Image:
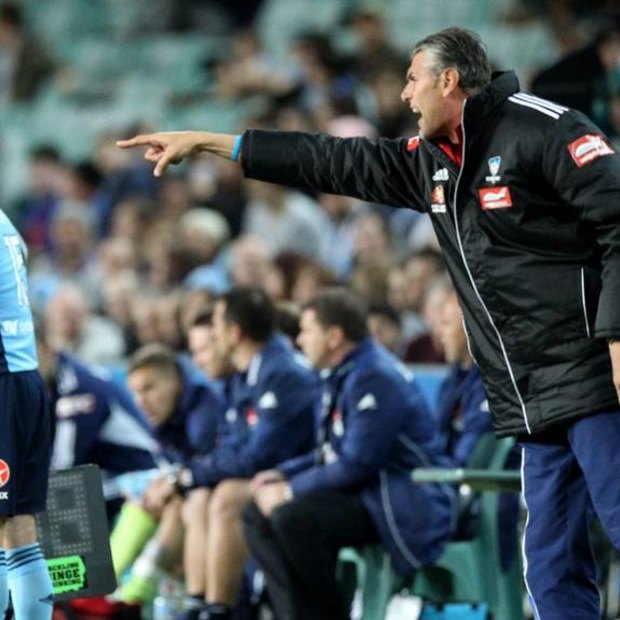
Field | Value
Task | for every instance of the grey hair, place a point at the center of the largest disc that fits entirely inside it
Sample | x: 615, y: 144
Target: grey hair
x: 461, y: 49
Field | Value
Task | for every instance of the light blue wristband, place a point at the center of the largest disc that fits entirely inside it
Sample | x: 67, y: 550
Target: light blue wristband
x: 236, y: 148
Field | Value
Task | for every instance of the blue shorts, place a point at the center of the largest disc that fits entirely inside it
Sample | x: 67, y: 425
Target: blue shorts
x: 25, y: 443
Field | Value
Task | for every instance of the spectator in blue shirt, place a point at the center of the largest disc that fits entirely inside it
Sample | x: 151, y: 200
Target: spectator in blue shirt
x: 355, y: 487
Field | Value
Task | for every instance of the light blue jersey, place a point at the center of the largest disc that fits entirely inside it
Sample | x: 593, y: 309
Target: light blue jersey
x: 17, y: 343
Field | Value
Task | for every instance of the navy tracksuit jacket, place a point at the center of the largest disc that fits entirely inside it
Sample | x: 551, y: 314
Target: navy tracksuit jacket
x: 96, y: 421
x: 374, y: 428
x: 269, y: 419
x: 192, y: 429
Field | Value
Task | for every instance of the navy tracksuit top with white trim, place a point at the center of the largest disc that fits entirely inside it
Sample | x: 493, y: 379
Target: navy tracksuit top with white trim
x: 269, y: 417
x: 374, y: 429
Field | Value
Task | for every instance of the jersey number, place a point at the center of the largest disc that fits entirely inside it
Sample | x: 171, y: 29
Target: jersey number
x: 14, y: 245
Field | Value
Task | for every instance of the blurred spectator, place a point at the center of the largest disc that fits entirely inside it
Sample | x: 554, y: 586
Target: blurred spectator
x: 144, y: 317
x: 419, y: 269
x: 584, y: 79
x: 192, y: 305
x: 385, y: 328
x: 287, y: 320
x: 118, y: 295
x: 219, y: 185
x: 426, y: 348
x: 392, y: 116
x: 324, y: 75
x: 339, y: 231
x: 25, y: 64
x: 250, y: 262
x: 125, y: 176
x: 168, y: 317
x: 205, y: 232
x: 131, y: 220
x: 371, y: 242
x: 374, y: 54
x: 70, y: 326
x: 169, y: 260
x: 247, y: 70
x: 412, y: 323
x: 71, y: 256
x: 283, y: 219
x: 173, y: 198
x: 85, y: 186
x: 370, y: 281
x: 47, y: 185
x: 312, y: 276
x: 115, y: 255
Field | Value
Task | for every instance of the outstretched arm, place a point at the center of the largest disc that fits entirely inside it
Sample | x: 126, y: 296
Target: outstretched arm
x: 383, y: 171
x: 165, y: 148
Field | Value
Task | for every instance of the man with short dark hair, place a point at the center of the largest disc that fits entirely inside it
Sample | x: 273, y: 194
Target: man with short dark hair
x: 269, y: 419
x: 523, y: 194
x: 355, y: 487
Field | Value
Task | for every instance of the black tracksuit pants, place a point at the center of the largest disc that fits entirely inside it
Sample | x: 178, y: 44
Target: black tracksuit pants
x: 298, y: 546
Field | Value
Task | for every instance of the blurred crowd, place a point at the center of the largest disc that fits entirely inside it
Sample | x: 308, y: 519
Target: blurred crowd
x: 119, y: 259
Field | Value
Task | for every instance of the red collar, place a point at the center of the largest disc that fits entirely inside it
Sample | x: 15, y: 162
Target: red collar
x: 453, y: 151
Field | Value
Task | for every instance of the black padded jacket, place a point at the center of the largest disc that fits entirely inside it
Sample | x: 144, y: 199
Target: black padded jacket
x: 530, y: 229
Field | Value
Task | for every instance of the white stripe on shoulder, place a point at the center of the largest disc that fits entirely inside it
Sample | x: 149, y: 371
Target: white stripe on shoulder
x: 545, y: 103
x: 534, y: 106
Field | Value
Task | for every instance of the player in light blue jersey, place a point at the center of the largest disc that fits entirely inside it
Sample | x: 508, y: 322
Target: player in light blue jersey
x: 24, y: 441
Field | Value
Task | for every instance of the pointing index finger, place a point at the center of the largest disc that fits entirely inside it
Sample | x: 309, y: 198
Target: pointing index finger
x: 136, y: 141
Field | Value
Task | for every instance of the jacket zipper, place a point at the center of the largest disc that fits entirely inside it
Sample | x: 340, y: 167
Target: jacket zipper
x: 583, y: 302
x: 473, y: 284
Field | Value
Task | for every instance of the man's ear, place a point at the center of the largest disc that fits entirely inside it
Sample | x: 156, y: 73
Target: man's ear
x: 335, y: 337
x: 234, y: 333
x: 449, y: 81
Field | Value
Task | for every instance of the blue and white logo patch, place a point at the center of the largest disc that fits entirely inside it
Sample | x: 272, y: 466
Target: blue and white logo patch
x: 494, y: 164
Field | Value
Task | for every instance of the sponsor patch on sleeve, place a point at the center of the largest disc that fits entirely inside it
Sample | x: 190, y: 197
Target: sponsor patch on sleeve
x: 588, y: 148
x: 495, y: 197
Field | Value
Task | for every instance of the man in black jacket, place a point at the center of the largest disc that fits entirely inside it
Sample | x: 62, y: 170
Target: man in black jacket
x: 524, y: 195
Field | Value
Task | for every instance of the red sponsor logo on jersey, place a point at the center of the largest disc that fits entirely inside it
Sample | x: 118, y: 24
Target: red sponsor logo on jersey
x: 413, y: 143
x: 251, y: 417
x: 5, y: 472
x: 438, y: 196
x: 588, y: 148
x: 495, y: 197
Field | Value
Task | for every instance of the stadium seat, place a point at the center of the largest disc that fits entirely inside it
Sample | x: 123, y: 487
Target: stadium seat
x: 467, y: 571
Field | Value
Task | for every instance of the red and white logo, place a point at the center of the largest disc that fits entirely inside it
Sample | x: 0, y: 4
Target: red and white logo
x: 438, y: 200
x: 5, y: 472
x: 495, y: 197
x: 251, y: 417
x: 588, y: 148
x: 413, y: 143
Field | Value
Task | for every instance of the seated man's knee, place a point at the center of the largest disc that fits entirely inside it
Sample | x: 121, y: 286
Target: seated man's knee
x: 195, y: 506
x: 290, y: 517
x: 229, y: 498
